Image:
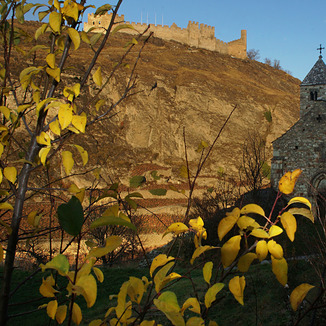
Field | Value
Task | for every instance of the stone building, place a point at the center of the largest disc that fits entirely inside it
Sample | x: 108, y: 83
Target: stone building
x: 304, y: 144
x: 195, y: 35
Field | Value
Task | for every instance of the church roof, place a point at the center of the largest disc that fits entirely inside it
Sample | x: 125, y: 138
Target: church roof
x: 317, y: 74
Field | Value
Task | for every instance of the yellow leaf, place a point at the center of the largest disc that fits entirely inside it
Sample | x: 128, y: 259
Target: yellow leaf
x: 36, y: 97
x: 51, y: 308
x: 99, y: 322
x: 1, y: 253
x: 300, y: 200
x: 136, y: 289
x: 10, y: 173
x: 159, y: 261
x: 50, y: 60
x: 55, y: 127
x: 68, y: 161
x: 167, y: 302
x: 245, y: 261
x: 99, y: 104
x: 97, y: 77
x: 302, y: 211
x: 212, y: 323
x: 290, y: 224
x: 79, y: 193
x: 280, y: 270
x: 160, y: 276
x: 43, y: 139
x: 97, y: 172
x: 59, y: 263
x: 197, y: 223
x: 274, y: 231
x: 149, y: 323
x: 207, y: 271
x: 55, y: 73
x: 225, y: 225
x: 33, y: 219
x: 6, y: 206
x: 85, y: 37
x: 210, y: 295
x: 79, y: 122
x: 176, y: 228
x: 184, y: 173
x: 83, y: 154
x: 65, y: 115
x: 237, y: 285
x: 246, y: 222
x: 111, y: 243
x: 252, y: 208
x: 55, y: 20
x: 5, y: 111
x: 195, y: 321
x: 74, y: 35
x: 193, y: 303
x: 43, y: 154
x: 99, y: 274
x: 1, y: 176
x: 229, y: 250
x: 76, y: 314
x: 298, y: 294
x: 259, y: 233
x: 70, y: 9
x: 87, y: 287
x: 287, y: 182
x: 261, y: 250
x: 61, y: 314
x: 1, y: 149
x: 167, y: 279
x: 275, y: 249
x: 199, y: 251
x: 46, y: 288
x: 40, y: 31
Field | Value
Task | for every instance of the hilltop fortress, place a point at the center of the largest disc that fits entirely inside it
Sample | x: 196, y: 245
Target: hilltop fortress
x: 199, y: 36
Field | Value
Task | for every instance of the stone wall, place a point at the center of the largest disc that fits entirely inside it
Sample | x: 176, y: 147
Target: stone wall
x: 303, y: 146
x: 200, y: 36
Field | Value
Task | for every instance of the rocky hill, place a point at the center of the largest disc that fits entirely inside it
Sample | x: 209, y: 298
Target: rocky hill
x: 185, y: 89
x: 195, y: 90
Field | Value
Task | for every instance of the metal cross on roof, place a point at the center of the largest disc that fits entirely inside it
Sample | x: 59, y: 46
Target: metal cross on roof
x: 320, y: 49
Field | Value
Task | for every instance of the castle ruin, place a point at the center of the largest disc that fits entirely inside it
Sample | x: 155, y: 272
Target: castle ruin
x: 195, y: 35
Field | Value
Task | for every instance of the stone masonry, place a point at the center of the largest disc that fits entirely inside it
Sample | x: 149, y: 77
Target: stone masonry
x: 195, y: 35
x: 304, y: 144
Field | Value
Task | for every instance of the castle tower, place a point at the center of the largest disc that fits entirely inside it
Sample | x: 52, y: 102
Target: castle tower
x: 313, y: 87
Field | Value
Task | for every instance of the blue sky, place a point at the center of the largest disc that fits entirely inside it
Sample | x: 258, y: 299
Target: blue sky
x: 287, y: 30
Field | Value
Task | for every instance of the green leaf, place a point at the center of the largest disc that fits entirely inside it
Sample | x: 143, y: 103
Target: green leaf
x: 71, y: 216
x: 100, y: 11
x: 137, y: 181
x: 158, y: 192
x: 112, y: 220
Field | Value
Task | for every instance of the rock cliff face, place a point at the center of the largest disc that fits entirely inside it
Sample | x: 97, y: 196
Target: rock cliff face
x: 192, y: 90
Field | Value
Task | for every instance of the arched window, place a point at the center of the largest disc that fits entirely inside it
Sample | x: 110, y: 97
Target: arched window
x: 313, y: 96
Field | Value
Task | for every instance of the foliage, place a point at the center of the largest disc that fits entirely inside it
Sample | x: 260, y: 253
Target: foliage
x: 268, y: 116
x: 253, y: 169
x: 45, y: 110
x: 138, y: 296
x: 253, y: 54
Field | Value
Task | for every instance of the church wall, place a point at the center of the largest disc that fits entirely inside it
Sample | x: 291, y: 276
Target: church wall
x: 309, y: 94
x: 200, y: 36
x: 302, y: 147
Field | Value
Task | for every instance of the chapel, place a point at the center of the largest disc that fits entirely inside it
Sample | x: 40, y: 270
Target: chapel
x: 304, y: 144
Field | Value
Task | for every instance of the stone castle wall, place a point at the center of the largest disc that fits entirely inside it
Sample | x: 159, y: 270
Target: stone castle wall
x: 200, y: 36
